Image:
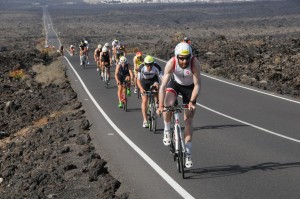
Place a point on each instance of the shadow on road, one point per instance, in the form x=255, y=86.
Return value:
x=228, y=170
x=134, y=110
x=219, y=126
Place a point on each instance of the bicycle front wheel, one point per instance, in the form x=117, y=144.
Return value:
x=180, y=160
x=153, y=117
x=125, y=99
x=105, y=78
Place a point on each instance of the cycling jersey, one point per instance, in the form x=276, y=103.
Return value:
x=143, y=73
x=105, y=57
x=123, y=73
x=183, y=76
x=114, y=44
x=138, y=62
x=124, y=70
x=98, y=53
x=82, y=46
x=119, y=49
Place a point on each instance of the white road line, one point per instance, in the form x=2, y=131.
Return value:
x=240, y=86
x=251, y=89
x=249, y=124
x=155, y=166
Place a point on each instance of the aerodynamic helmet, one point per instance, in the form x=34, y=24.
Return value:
x=139, y=54
x=149, y=60
x=123, y=59
x=183, y=49
x=104, y=49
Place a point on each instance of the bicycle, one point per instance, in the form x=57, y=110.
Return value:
x=177, y=146
x=105, y=76
x=83, y=61
x=124, y=97
x=151, y=110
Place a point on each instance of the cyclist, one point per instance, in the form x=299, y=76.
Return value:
x=137, y=61
x=187, y=40
x=109, y=50
x=149, y=76
x=119, y=51
x=61, y=50
x=186, y=80
x=105, y=61
x=114, y=44
x=97, y=58
x=87, y=51
x=82, y=51
x=72, y=50
x=123, y=74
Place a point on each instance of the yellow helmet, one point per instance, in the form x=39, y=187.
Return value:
x=148, y=60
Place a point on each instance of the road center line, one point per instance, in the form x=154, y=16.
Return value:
x=155, y=166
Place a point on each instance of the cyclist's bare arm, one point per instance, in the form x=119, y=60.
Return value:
x=140, y=85
x=162, y=90
x=197, y=84
x=95, y=55
x=130, y=72
x=116, y=73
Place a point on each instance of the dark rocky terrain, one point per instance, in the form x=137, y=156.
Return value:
x=46, y=150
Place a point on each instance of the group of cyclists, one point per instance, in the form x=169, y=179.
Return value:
x=181, y=76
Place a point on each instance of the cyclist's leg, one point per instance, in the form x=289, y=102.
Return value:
x=80, y=57
x=120, y=90
x=87, y=56
x=108, y=72
x=127, y=80
x=170, y=98
x=188, y=130
x=135, y=81
x=144, y=104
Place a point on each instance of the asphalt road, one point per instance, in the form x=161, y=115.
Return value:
x=246, y=141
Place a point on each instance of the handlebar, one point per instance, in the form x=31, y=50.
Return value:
x=177, y=108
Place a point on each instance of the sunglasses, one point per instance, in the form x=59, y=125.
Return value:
x=150, y=64
x=187, y=58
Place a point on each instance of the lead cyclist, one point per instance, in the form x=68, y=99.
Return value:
x=185, y=69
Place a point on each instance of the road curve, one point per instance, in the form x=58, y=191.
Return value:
x=245, y=145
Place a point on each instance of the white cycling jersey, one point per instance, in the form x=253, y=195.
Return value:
x=183, y=76
x=143, y=73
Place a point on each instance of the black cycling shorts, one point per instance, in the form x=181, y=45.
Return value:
x=147, y=83
x=185, y=91
x=122, y=78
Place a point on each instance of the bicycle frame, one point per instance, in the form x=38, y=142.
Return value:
x=151, y=110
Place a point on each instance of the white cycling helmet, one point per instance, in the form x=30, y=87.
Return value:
x=106, y=44
x=104, y=49
x=183, y=49
x=123, y=59
x=86, y=42
x=99, y=46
